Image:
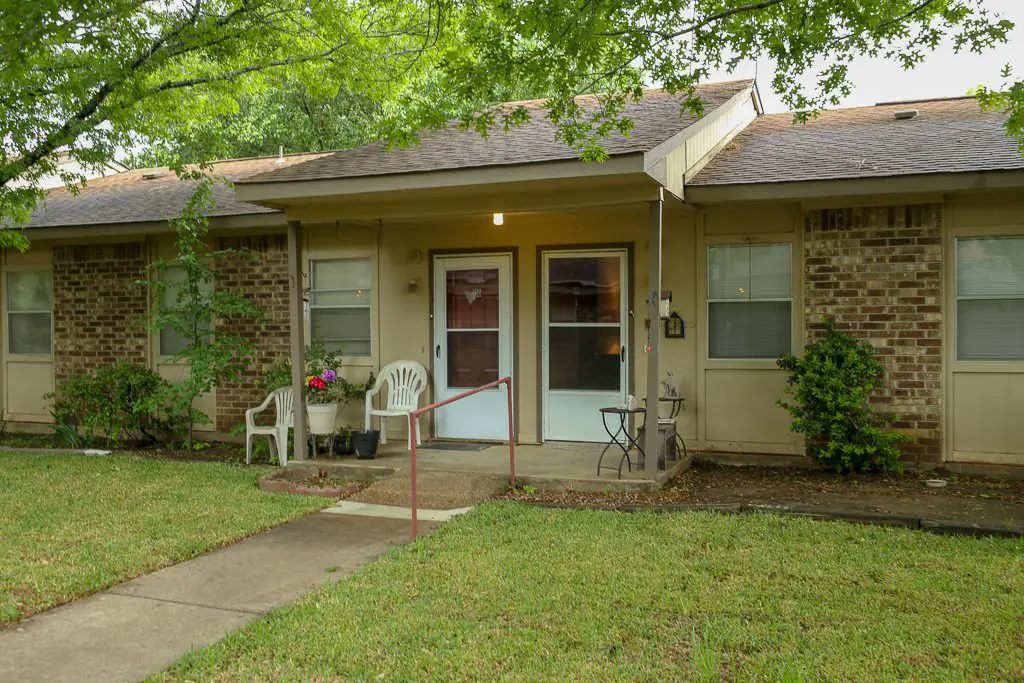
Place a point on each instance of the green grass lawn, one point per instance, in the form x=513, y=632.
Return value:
x=71, y=525
x=510, y=591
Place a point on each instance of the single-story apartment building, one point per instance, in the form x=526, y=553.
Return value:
x=506, y=255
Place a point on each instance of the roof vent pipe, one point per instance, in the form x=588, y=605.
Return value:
x=280, y=154
x=905, y=114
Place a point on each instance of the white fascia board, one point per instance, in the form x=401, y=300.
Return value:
x=667, y=163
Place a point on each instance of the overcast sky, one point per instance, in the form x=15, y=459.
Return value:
x=943, y=74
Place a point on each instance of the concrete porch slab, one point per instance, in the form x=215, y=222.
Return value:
x=554, y=466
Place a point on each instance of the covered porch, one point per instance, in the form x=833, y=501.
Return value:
x=564, y=300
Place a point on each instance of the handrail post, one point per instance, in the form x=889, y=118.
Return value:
x=496, y=384
x=412, y=451
x=511, y=437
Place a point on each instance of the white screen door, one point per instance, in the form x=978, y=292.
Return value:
x=472, y=343
x=584, y=341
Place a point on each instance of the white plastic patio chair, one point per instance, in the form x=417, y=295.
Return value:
x=278, y=432
x=406, y=380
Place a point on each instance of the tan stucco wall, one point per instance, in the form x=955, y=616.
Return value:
x=738, y=412
x=985, y=400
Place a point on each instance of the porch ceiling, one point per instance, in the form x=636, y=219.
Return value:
x=511, y=196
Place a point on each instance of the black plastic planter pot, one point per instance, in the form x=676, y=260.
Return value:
x=365, y=443
x=343, y=445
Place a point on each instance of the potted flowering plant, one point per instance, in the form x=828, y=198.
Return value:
x=322, y=401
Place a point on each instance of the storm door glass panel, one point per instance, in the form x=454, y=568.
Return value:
x=472, y=313
x=584, y=290
x=584, y=323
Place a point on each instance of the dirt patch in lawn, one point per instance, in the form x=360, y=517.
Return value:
x=968, y=500
x=435, y=490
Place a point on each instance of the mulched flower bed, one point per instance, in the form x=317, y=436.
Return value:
x=964, y=499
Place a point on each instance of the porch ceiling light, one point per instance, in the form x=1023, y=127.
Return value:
x=498, y=219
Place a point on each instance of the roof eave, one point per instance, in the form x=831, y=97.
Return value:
x=241, y=221
x=275, y=194
x=882, y=185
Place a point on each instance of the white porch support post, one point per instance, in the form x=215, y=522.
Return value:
x=653, y=335
x=297, y=325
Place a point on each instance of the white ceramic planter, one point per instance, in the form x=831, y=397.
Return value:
x=322, y=417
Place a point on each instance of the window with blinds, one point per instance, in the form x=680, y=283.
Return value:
x=339, y=304
x=990, y=299
x=750, y=300
x=30, y=312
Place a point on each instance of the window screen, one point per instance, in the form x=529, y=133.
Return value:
x=750, y=300
x=990, y=299
x=339, y=304
x=29, y=312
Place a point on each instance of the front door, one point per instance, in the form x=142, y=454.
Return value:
x=472, y=343
x=585, y=331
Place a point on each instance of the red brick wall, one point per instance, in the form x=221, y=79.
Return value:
x=878, y=272
x=98, y=311
x=262, y=276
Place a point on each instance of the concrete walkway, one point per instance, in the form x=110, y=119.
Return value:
x=140, y=627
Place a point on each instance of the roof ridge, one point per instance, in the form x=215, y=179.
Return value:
x=144, y=169
x=925, y=100
x=651, y=89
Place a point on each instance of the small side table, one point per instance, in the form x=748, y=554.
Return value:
x=623, y=430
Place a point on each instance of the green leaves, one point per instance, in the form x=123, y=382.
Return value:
x=113, y=402
x=208, y=78
x=83, y=79
x=210, y=319
x=564, y=48
x=831, y=388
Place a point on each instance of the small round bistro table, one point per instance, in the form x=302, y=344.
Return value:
x=623, y=415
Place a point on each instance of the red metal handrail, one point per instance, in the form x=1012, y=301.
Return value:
x=507, y=381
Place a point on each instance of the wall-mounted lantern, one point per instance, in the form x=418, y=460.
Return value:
x=674, y=326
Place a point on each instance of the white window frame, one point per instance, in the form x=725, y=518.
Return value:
x=9, y=312
x=957, y=298
x=333, y=307
x=708, y=300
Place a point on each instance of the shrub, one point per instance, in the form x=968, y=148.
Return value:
x=112, y=402
x=831, y=388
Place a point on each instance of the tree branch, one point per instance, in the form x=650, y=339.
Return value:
x=228, y=75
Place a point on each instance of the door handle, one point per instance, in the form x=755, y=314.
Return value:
x=437, y=351
x=622, y=353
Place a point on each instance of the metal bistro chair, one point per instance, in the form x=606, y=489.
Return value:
x=406, y=380
x=278, y=432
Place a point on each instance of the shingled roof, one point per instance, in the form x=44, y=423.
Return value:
x=151, y=194
x=945, y=136
x=657, y=117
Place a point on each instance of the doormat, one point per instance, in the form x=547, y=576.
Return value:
x=454, y=446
